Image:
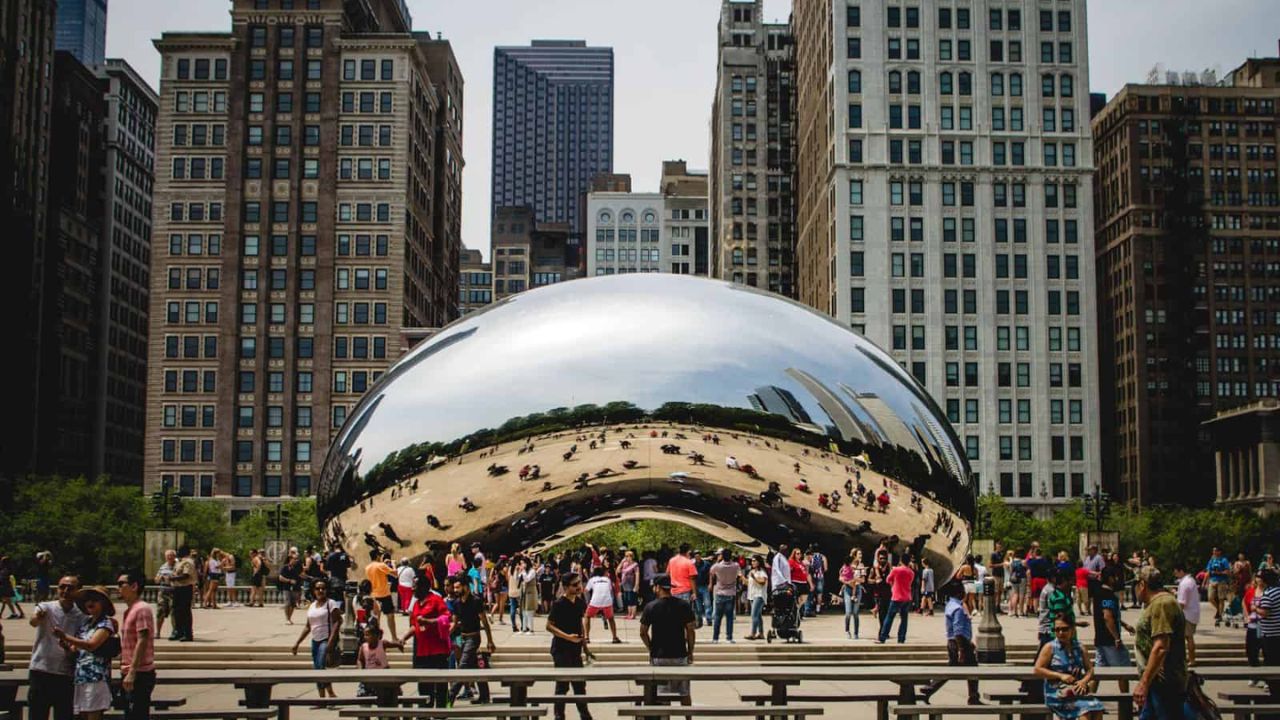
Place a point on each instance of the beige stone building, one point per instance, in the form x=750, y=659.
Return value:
x=750, y=195
x=1245, y=442
x=315, y=149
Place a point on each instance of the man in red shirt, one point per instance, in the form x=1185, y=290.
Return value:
x=900, y=580
x=683, y=572
x=429, y=622
x=137, y=647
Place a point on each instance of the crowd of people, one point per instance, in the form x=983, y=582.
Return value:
x=449, y=608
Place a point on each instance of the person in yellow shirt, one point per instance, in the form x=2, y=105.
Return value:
x=380, y=574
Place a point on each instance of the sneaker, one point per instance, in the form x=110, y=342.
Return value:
x=715, y=642
x=731, y=642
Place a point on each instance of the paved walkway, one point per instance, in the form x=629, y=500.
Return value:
x=265, y=628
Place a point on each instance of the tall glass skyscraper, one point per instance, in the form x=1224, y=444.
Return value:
x=552, y=126
x=82, y=29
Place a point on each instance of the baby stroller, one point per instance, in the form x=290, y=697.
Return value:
x=1233, y=614
x=786, y=617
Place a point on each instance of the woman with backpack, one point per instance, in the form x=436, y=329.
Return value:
x=1017, y=583
x=97, y=644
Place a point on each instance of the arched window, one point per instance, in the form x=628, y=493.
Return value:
x=997, y=84
x=605, y=217
x=1015, y=84
x=944, y=83
x=895, y=81
x=649, y=217
x=966, y=83
x=855, y=81
x=627, y=217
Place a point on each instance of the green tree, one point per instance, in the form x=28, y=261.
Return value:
x=92, y=527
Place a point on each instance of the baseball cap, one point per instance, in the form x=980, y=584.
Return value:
x=662, y=581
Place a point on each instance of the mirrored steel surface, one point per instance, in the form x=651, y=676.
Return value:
x=585, y=398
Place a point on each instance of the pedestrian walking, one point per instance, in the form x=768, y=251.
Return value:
x=569, y=640
x=429, y=623
x=324, y=621
x=1189, y=601
x=289, y=582
x=9, y=590
x=469, y=620
x=1161, y=644
x=1107, y=622
x=961, y=651
x=406, y=576
x=899, y=579
x=1218, y=583
x=51, y=669
x=668, y=630
x=381, y=574
x=137, y=648
x=852, y=575
x=629, y=583
x=1268, y=609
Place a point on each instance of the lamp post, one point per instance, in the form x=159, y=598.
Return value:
x=990, y=636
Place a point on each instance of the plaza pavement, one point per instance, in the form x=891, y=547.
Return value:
x=247, y=634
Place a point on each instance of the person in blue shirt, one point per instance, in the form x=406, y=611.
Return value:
x=1219, y=583
x=961, y=651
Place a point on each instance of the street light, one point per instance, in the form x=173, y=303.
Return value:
x=1097, y=507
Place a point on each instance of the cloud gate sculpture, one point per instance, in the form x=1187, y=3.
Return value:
x=612, y=398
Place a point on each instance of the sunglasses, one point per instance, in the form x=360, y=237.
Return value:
x=1062, y=629
x=66, y=586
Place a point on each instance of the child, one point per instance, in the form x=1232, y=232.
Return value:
x=373, y=654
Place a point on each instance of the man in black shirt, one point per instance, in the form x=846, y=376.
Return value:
x=668, y=630
x=1107, y=624
x=568, y=642
x=469, y=618
x=337, y=563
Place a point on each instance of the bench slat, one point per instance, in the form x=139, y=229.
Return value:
x=719, y=711
x=245, y=713
x=467, y=712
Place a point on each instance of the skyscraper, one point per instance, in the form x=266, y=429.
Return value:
x=82, y=30
x=26, y=88
x=751, y=196
x=945, y=211
x=1188, y=227
x=552, y=126
x=301, y=246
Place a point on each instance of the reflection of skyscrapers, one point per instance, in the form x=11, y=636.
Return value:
x=846, y=422
x=936, y=440
x=892, y=428
x=776, y=400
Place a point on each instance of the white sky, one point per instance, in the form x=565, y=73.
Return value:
x=665, y=60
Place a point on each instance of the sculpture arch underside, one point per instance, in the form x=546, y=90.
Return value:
x=596, y=398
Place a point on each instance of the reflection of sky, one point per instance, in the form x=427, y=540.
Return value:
x=645, y=339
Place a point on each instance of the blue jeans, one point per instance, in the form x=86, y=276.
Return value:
x=757, y=616
x=704, y=603
x=318, y=648
x=513, y=607
x=1166, y=704
x=902, y=609
x=852, y=606
x=724, y=608
x=811, y=605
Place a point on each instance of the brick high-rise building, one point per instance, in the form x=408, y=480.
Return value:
x=526, y=254
x=475, y=281
x=1188, y=256
x=82, y=30
x=945, y=195
x=752, y=178
x=552, y=127
x=299, y=206
x=26, y=89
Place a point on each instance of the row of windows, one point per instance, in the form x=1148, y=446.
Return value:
x=364, y=168
x=1055, y=230
x=185, y=450
x=198, y=168
x=191, y=346
x=274, y=416
x=190, y=381
x=313, y=69
x=304, y=348
x=361, y=278
x=286, y=36
x=359, y=347
x=354, y=381
x=284, y=102
x=199, y=69
x=196, y=278
x=195, y=212
x=199, y=101
x=368, y=70
x=367, y=102
x=273, y=451
x=302, y=381
x=199, y=134
x=628, y=255
x=364, y=212
x=188, y=416
x=363, y=135
x=1005, y=411
x=191, y=312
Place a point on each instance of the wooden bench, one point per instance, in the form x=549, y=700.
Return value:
x=569, y=699
x=284, y=705
x=236, y=714
x=666, y=711
x=1245, y=698
x=467, y=712
x=881, y=700
x=1248, y=710
x=1003, y=711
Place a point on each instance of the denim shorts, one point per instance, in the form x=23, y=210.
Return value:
x=1113, y=656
